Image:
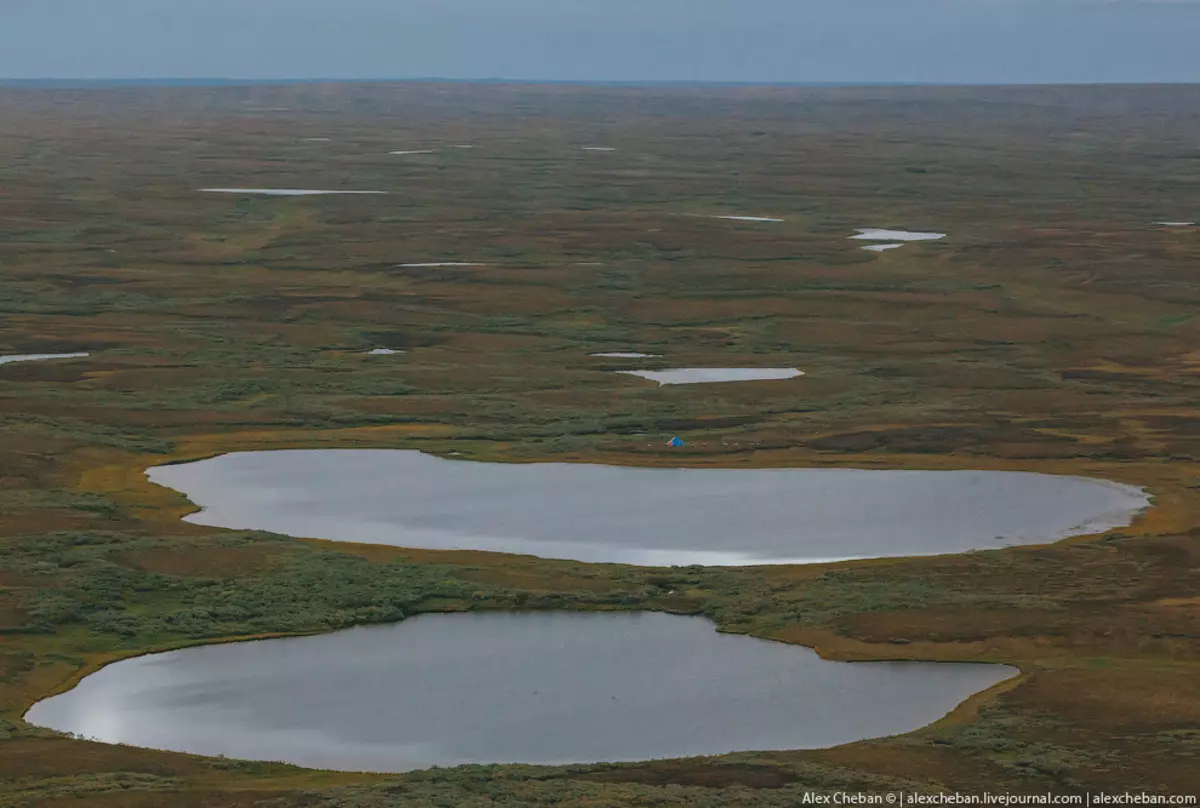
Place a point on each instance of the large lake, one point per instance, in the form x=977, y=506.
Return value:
x=647, y=516
x=505, y=688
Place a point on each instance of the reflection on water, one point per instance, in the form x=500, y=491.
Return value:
x=650, y=516
x=282, y=191
x=505, y=688
x=875, y=234
x=712, y=375
x=34, y=357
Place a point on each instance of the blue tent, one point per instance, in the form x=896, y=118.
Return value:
x=676, y=441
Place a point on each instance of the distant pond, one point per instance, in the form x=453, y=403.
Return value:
x=37, y=357
x=713, y=375
x=645, y=516
x=545, y=688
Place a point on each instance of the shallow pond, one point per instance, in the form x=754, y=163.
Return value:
x=282, y=191
x=442, y=264
x=875, y=234
x=648, y=516
x=712, y=375
x=626, y=354
x=543, y=688
x=36, y=357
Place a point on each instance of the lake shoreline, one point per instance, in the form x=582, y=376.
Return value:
x=408, y=499
x=124, y=476
x=670, y=634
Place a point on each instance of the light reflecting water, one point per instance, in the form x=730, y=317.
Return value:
x=648, y=516
x=282, y=191
x=749, y=218
x=712, y=375
x=35, y=357
x=544, y=688
x=444, y=264
x=875, y=234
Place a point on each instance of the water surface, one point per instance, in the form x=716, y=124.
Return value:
x=713, y=375
x=749, y=218
x=881, y=247
x=875, y=234
x=627, y=354
x=545, y=688
x=282, y=191
x=35, y=357
x=442, y=264
x=649, y=516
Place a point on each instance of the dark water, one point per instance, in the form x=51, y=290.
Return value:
x=639, y=515
x=487, y=688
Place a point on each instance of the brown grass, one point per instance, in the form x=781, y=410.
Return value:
x=1052, y=332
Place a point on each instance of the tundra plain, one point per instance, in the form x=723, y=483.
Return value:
x=1054, y=329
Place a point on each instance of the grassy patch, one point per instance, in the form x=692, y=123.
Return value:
x=1050, y=331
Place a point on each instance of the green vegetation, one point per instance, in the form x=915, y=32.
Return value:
x=1053, y=330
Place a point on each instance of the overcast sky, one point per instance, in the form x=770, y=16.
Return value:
x=967, y=41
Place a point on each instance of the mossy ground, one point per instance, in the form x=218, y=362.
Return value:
x=1054, y=330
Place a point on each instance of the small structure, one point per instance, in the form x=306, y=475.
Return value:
x=676, y=441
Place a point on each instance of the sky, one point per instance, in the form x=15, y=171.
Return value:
x=943, y=41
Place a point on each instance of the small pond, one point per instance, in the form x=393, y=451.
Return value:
x=442, y=264
x=712, y=375
x=547, y=688
x=875, y=234
x=646, y=516
x=37, y=357
x=282, y=191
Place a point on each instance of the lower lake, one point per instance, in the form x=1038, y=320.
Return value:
x=645, y=516
x=545, y=688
